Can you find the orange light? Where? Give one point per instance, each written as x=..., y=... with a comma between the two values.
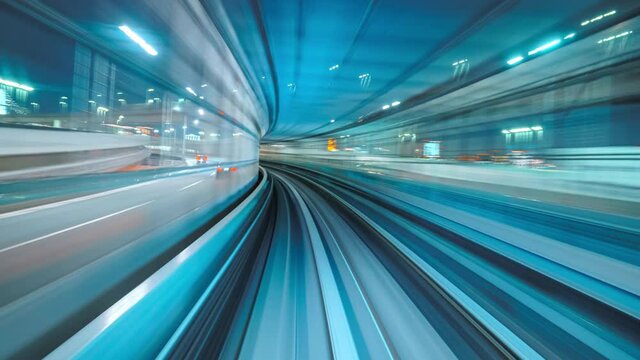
x=233, y=169
x=331, y=144
x=219, y=169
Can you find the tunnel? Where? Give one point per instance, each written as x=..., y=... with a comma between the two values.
x=319, y=179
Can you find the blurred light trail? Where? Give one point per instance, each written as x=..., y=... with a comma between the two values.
x=597, y=18
x=138, y=40
x=16, y=85
x=190, y=90
x=515, y=60
x=545, y=47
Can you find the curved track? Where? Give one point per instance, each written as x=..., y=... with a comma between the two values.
x=350, y=272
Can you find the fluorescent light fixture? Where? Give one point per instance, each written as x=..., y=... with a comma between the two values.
x=15, y=85
x=190, y=90
x=626, y=33
x=598, y=18
x=515, y=60
x=201, y=97
x=204, y=85
x=362, y=76
x=334, y=67
x=459, y=62
x=214, y=134
x=332, y=121
x=138, y=40
x=201, y=132
x=151, y=90
x=570, y=36
x=395, y=103
x=237, y=134
x=201, y=112
x=506, y=132
x=386, y=107
x=545, y=47
x=92, y=102
x=155, y=131
x=196, y=122
x=536, y=128
x=518, y=130
x=102, y=108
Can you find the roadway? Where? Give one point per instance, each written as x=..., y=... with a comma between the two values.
x=64, y=262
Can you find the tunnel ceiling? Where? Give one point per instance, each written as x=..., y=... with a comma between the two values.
x=324, y=60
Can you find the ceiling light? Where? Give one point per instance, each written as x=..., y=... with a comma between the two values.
x=536, y=128
x=196, y=122
x=332, y=121
x=545, y=47
x=204, y=85
x=395, y=103
x=190, y=90
x=515, y=60
x=459, y=62
x=334, y=67
x=570, y=36
x=138, y=40
x=518, y=130
x=386, y=107
x=598, y=18
x=201, y=112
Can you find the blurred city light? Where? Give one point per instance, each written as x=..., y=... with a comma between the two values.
x=15, y=85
